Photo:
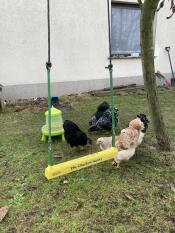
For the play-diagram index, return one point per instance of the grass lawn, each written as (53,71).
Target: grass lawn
(138,197)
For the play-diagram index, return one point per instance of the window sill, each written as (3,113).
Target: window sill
(125,57)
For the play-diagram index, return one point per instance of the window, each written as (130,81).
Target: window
(125,29)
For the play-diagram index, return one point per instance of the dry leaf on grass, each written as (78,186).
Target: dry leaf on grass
(128,196)
(79,205)
(172,188)
(65,182)
(3,212)
(57,156)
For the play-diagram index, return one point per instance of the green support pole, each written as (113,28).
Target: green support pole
(50,157)
(112,104)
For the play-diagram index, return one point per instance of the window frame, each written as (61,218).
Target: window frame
(122,4)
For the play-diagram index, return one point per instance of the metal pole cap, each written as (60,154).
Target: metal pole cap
(167,48)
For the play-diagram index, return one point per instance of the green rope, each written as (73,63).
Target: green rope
(110,67)
(48,67)
(50,157)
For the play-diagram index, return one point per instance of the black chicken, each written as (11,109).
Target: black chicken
(74,136)
(145,121)
(101,109)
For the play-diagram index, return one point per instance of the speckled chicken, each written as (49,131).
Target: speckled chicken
(102,119)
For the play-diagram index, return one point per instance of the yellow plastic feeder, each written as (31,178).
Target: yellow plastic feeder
(79,163)
(56,125)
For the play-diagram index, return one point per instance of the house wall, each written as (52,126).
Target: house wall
(79,48)
(165,36)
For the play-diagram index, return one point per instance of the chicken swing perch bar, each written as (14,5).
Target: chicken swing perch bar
(53,171)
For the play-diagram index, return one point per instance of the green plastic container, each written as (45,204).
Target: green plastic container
(56,124)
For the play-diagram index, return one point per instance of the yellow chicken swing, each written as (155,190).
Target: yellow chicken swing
(53,171)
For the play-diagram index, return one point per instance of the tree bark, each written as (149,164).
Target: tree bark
(148,11)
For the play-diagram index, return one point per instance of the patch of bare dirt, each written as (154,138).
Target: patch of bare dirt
(35,105)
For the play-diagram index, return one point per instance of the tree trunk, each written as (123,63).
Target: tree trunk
(147,49)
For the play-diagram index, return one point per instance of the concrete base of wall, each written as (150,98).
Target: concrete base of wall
(27,91)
